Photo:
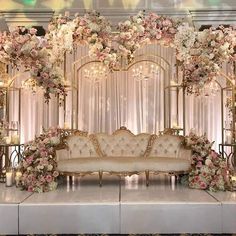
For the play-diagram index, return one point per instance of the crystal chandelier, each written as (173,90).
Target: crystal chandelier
(95,73)
(145,72)
(30,84)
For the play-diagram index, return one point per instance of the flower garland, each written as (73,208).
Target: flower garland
(201,53)
(38,166)
(141,29)
(209,169)
(92,29)
(210,49)
(31,51)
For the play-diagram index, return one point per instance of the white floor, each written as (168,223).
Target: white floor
(119,206)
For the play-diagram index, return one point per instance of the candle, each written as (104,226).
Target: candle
(228,139)
(8,179)
(15,139)
(66,125)
(174,126)
(8,139)
(18,178)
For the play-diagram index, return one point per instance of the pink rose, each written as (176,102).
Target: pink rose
(29,159)
(44,75)
(32,31)
(166,23)
(172,30)
(43,153)
(203,185)
(33,53)
(199,164)
(49,178)
(158,34)
(30,188)
(55,174)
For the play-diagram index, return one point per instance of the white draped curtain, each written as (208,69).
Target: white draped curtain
(119,100)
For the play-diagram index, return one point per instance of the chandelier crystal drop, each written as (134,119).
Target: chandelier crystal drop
(145,72)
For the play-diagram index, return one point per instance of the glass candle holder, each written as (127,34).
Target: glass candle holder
(7,139)
(15,139)
(18,178)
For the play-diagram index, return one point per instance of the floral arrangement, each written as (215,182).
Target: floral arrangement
(38,166)
(201,53)
(92,29)
(31,51)
(141,29)
(206,50)
(209,169)
(96,31)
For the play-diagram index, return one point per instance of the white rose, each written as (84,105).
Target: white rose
(127,23)
(213,43)
(122,35)
(33,148)
(139,20)
(40,167)
(94,36)
(134,28)
(208,162)
(211,56)
(54,140)
(49,167)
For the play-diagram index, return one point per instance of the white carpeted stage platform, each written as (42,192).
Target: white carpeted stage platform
(125,206)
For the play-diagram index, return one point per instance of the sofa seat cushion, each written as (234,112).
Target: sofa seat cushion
(164,164)
(123,164)
(114,164)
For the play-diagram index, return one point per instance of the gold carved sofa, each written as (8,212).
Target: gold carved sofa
(123,153)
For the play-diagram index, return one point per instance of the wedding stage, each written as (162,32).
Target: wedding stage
(120,206)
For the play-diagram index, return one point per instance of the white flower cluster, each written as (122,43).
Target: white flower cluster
(184,41)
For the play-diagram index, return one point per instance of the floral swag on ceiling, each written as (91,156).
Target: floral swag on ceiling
(201,53)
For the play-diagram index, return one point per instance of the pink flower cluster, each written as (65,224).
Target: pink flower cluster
(201,53)
(31,52)
(209,169)
(95,30)
(141,29)
(211,48)
(38,166)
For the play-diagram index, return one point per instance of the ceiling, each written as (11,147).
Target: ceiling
(39,12)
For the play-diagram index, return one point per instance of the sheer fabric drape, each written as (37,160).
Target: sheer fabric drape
(120,100)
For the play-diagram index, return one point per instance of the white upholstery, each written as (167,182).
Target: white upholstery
(185,153)
(81,146)
(123,164)
(166,146)
(124,152)
(62,154)
(123,143)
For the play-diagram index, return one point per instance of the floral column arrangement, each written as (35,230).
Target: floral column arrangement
(209,170)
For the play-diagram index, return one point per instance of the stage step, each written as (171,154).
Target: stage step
(118,207)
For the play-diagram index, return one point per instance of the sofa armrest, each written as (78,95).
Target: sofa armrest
(62,154)
(185,153)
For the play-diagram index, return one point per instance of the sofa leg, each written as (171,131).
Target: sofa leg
(100,178)
(147,177)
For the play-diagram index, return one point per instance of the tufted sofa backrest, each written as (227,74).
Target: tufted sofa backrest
(166,146)
(81,146)
(123,143)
